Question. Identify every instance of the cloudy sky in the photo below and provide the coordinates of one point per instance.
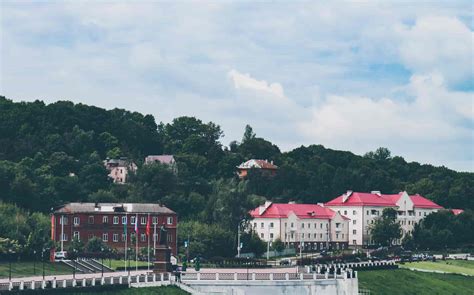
(350, 76)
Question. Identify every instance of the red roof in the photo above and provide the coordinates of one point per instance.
(377, 199)
(303, 211)
(259, 164)
(457, 211)
(362, 199)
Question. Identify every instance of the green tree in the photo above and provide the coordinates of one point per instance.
(386, 228)
(278, 245)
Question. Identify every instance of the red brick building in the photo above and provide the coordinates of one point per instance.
(110, 221)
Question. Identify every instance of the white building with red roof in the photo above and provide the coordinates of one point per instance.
(312, 226)
(364, 208)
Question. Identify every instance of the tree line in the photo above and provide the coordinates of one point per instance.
(52, 154)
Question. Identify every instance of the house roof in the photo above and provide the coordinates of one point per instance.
(164, 159)
(457, 211)
(302, 211)
(377, 199)
(113, 207)
(259, 164)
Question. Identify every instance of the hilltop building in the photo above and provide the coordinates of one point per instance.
(119, 169)
(268, 168)
(162, 159)
(310, 226)
(108, 222)
(364, 208)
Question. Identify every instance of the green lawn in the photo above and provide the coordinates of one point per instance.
(452, 266)
(403, 281)
(23, 269)
(121, 263)
(169, 290)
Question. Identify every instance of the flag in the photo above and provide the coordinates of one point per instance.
(136, 224)
(148, 225)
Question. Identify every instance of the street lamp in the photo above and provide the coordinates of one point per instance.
(34, 262)
(74, 261)
(42, 259)
(102, 256)
(10, 264)
(128, 258)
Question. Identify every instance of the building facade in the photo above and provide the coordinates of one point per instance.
(364, 208)
(119, 169)
(164, 160)
(114, 223)
(309, 226)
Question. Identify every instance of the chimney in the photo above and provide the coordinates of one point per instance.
(291, 202)
(378, 193)
(346, 196)
(264, 207)
(321, 204)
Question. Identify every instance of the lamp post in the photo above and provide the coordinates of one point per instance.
(74, 268)
(10, 264)
(247, 267)
(102, 257)
(34, 262)
(42, 260)
(128, 258)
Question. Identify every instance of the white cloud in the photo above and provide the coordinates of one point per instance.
(437, 43)
(244, 81)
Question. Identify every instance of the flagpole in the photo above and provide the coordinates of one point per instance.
(154, 238)
(136, 251)
(148, 233)
(126, 238)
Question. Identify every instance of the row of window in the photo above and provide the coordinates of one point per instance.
(292, 225)
(302, 236)
(115, 220)
(115, 237)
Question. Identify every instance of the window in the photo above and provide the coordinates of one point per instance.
(254, 225)
(342, 236)
(124, 219)
(285, 224)
(261, 235)
(354, 221)
(132, 220)
(170, 238)
(105, 219)
(271, 224)
(143, 237)
(337, 236)
(321, 225)
(91, 219)
(419, 213)
(271, 235)
(64, 237)
(354, 232)
(302, 235)
(261, 225)
(155, 220)
(169, 220)
(105, 237)
(314, 236)
(368, 212)
(76, 220)
(315, 225)
(302, 225)
(115, 238)
(116, 220)
(424, 213)
(337, 224)
(77, 236)
(320, 236)
(292, 225)
(292, 235)
(64, 219)
(309, 225)
(143, 220)
(345, 212)
(354, 242)
(354, 212)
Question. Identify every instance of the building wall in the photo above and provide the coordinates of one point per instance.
(86, 230)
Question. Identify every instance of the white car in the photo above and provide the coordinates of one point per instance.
(60, 255)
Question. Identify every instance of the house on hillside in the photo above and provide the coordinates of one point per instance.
(364, 208)
(310, 226)
(162, 159)
(268, 168)
(119, 169)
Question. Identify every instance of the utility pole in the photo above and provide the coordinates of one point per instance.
(238, 240)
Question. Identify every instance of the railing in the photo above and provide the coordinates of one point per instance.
(84, 282)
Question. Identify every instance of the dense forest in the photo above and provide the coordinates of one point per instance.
(52, 154)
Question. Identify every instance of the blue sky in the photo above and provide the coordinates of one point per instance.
(347, 75)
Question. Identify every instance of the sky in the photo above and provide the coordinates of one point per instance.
(347, 75)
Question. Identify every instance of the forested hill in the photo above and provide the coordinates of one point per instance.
(50, 154)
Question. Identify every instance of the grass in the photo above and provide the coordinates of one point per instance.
(451, 266)
(168, 290)
(403, 281)
(24, 269)
(121, 263)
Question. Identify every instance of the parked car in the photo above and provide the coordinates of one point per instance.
(285, 261)
(60, 255)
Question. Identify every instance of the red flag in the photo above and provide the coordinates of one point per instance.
(148, 225)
